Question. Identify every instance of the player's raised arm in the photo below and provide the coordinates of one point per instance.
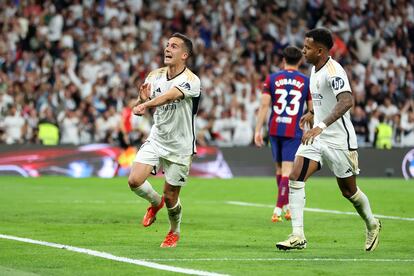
(261, 116)
(169, 96)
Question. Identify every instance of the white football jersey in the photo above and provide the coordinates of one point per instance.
(173, 131)
(325, 85)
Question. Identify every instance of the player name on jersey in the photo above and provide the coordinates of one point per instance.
(293, 82)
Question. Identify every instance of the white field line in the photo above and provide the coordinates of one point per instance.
(150, 262)
(317, 210)
(109, 256)
(76, 201)
(281, 259)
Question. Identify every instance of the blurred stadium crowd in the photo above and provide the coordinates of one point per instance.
(69, 69)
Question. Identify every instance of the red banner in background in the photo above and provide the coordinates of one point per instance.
(100, 160)
(104, 160)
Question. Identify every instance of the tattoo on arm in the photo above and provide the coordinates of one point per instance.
(344, 103)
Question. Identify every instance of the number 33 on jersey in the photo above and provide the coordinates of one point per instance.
(289, 89)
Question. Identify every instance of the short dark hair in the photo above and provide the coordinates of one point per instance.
(187, 42)
(322, 36)
(292, 55)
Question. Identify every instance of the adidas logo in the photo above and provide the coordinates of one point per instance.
(348, 170)
(158, 90)
(181, 180)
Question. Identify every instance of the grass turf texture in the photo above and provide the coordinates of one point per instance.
(104, 215)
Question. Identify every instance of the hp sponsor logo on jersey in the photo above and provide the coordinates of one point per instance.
(338, 83)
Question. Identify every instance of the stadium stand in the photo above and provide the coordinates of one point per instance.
(75, 65)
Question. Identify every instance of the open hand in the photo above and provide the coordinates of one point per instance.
(309, 136)
(306, 119)
(144, 91)
(258, 139)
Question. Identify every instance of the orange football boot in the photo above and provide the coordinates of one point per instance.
(276, 218)
(150, 215)
(288, 216)
(170, 240)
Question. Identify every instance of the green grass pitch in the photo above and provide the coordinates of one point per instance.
(104, 215)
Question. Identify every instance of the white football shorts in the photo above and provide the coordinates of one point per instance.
(343, 163)
(175, 174)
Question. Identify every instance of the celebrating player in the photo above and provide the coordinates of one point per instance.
(174, 91)
(285, 92)
(332, 140)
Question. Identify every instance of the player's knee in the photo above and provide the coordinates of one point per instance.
(293, 176)
(170, 198)
(134, 181)
(347, 193)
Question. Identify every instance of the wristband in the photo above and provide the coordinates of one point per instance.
(321, 125)
(312, 112)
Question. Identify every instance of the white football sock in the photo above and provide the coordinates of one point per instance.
(174, 214)
(297, 204)
(147, 192)
(277, 211)
(361, 204)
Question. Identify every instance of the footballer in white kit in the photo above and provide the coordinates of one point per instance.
(172, 138)
(336, 145)
(174, 92)
(332, 140)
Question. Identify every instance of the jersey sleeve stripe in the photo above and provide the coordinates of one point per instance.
(191, 76)
(331, 69)
(157, 72)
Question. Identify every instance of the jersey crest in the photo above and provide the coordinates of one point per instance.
(185, 85)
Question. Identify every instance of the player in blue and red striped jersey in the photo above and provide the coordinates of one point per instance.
(285, 92)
